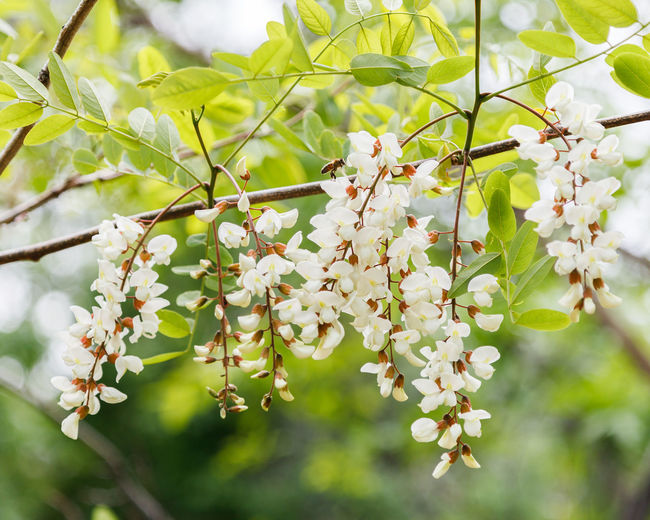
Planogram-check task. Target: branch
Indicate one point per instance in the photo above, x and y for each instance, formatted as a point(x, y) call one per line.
point(628, 343)
point(76, 181)
point(117, 463)
point(68, 32)
point(37, 251)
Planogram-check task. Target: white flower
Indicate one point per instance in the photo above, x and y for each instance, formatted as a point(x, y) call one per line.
point(232, 235)
point(422, 180)
point(130, 363)
point(424, 430)
point(207, 215)
point(543, 212)
point(243, 204)
point(241, 298)
point(559, 96)
point(70, 425)
point(111, 395)
point(362, 142)
point(129, 229)
point(161, 247)
point(481, 360)
point(390, 148)
point(483, 286)
point(450, 436)
point(606, 151)
point(443, 466)
point(489, 322)
point(468, 458)
point(472, 421)
point(580, 118)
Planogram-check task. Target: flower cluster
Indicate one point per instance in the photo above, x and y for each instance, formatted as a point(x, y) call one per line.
point(578, 200)
point(98, 336)
point(258, 276)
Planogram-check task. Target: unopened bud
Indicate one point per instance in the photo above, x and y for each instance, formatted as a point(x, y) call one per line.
point(266, 402)
point(280, 248)
point(408, 170)
point(213, 393)
point(351, 192)
point(205, 263)
point(433, 237)
point(411, 221)
point(473, 310)
point(127, 322)
point(145, 256)
point(238, 408)
point(218, 311)
point(382, 357)
point(285, 288)
point(196, 304)
point(261, 374)
point(198, 274)
point(574, 277)
point(478, 247)
point(82, 412)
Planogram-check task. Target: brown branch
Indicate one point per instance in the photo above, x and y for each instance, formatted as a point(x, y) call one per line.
point(68, 32)
point(37, 251)
point(116, 462)
point(76, 181)
point(628, 343)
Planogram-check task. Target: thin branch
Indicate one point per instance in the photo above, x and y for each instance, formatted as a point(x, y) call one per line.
point(116, 462)
point(76, 181)
point(37, 251)
point(628, 343)
point(68, 32)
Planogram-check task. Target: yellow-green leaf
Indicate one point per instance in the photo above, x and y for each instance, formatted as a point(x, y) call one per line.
point(49, 128)
point(523, 190)
point(549, 43)
point(63, 82)
point(172, 324)
point(543, 319)
point(617, 13)
point(501, 217)
point(7, 93)
point(272, 53)
point(450, 69)
point(633, 70)
point(85, 161)
point(161, 358)
point(19, 115)
point(189, 88)
point(314, 17)
point(150, 62)
point(93, 104)
point(587, 26)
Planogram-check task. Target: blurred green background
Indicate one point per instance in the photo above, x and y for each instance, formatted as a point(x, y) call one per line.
point(569, 436)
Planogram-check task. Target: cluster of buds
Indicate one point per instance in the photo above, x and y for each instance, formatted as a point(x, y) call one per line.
point(578, 200)
point(98, 336)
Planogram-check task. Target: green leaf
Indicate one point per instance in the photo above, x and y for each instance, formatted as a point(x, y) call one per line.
point(187, 297)
point(486, 263)
point(189, 88)
point(626, 47)
point(152, 81)
point(272, 53)
point(543, 319)
point(416, 75)
point(172, 324)
point(533, 276)
point(26, 85)
point(299, 55)
point(450, 69)
point(7, 93)
point(49, 128)
point(142, 124)
point(633, 70)
point(167, 137)
point(617, 13)
point(314, 17)
point(587, 26)
point(447, 44)
point(241, 62)
point(140, 158)
point(523, 190)
point(288, 135)
point(540, 87)
point(549, 43)
point(91, 127)
point(161, 358)
point(112, 149)
point(196, 240)
point(103, 512)
point(105, 29)
point(185, 269)
point(151, 62)
point(93, 104)
point(85, 161)
point(19, 115)
point(522, 249)
point(501, 217)
point(63, 83)
point(373, 70)
point(313, 128)
point(497, 180)
point(403, 39)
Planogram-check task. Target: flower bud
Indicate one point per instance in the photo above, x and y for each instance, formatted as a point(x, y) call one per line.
point(411, 221)
point(198, 274)
point(205, 263)
point(285, 288)
point(408, 170)
point(266, 402)
point(478, 247)
point(433, 237)
point(196, 304)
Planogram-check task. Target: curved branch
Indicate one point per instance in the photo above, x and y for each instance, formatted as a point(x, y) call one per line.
point(37, 251)
point(68, 32)
point(101, 445)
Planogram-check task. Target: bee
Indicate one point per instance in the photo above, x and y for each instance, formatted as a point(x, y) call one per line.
point(332, 166)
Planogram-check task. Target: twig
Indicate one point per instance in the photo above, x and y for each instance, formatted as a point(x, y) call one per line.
point(37, 251)
point(68, 32)
point(76, 181)
point(628, 343)
point(106, 450)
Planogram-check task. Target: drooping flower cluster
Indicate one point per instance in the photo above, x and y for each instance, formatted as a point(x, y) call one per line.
point(578, 200)
point(98, 336)
point(259, 275)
